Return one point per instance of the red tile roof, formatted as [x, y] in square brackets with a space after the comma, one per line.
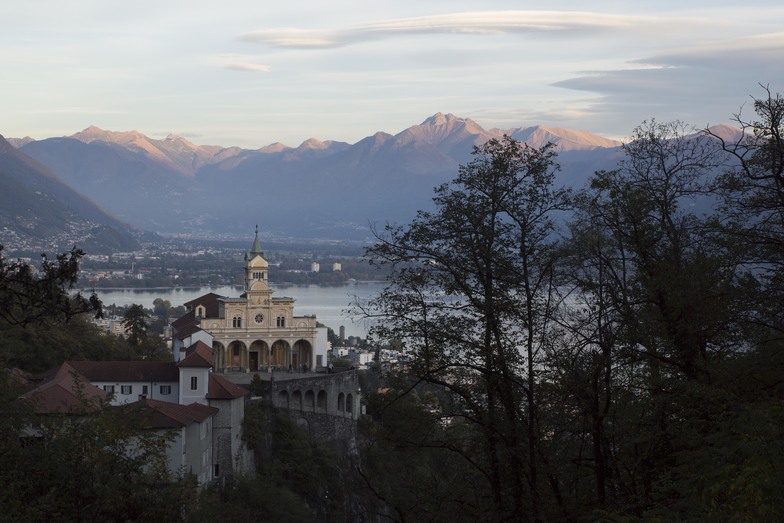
[210, 303]
[219, 388]
[66, 390]
[186, 330]
[189, 318]
[198, 355]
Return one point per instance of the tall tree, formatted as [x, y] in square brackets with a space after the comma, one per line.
[470, 295]
[673, 277]
[656, 304]
[135, 323]
[753, 197]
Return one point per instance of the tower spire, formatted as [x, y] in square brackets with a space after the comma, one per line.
[256, 248]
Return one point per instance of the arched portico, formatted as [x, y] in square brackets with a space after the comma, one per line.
[237, 355]
[302, 354]
[220, 354]
[281, 354]
[258, 355]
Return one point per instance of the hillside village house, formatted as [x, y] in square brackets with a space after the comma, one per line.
[203, 410]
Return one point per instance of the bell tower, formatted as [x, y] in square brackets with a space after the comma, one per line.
[256, 267]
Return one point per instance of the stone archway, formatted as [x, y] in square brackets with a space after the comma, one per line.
[321, 400]
[309, 403]
[283, 399]
[296, 400]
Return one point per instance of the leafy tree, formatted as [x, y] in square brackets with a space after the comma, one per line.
[753, 203]
[674, 281]
[41, 318]
[470, 294]
[37, 348]
[307, 474]
[256, 385]
[29, 296]
[412, 466]
[161, 307]
[143, 344]
[135, 323]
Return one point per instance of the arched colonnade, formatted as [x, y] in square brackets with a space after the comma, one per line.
[260, 355]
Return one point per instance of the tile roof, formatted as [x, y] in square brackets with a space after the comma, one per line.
[186, 330]
[118, 371]
[65, 390]
[219, 388]
[198, 355]
[210, 303]
[189, 318]
[166, 415]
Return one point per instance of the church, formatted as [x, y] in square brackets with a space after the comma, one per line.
[255, 332]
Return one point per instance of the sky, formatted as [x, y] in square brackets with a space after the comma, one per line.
[249, 73]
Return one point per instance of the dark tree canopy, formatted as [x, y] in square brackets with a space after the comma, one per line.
[29, 295]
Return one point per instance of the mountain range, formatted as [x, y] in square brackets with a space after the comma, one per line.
[320, 189]
[38, 212]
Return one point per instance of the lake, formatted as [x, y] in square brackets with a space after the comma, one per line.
[327, 303]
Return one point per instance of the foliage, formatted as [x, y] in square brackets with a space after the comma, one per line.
[36, 348]
[135, 323]
[29, 296]
[629, 369]
[307, 473]
[470, 296]
[98, 466]
[256, 385]
[143, 344]
[249, 499]
[417, 463]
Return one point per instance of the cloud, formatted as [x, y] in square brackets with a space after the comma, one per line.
[704, 64]
[471, 23]
[758, 50]
[703, 83]
[256, 68]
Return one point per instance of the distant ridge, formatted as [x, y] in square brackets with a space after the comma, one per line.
[319, 189]
[38, 212]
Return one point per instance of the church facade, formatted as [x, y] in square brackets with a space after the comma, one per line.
[256, 331]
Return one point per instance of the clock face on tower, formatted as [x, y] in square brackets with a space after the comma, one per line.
[259, 318]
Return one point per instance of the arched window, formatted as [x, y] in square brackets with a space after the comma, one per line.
[283, 399]
[321, 400]
[236, 322]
